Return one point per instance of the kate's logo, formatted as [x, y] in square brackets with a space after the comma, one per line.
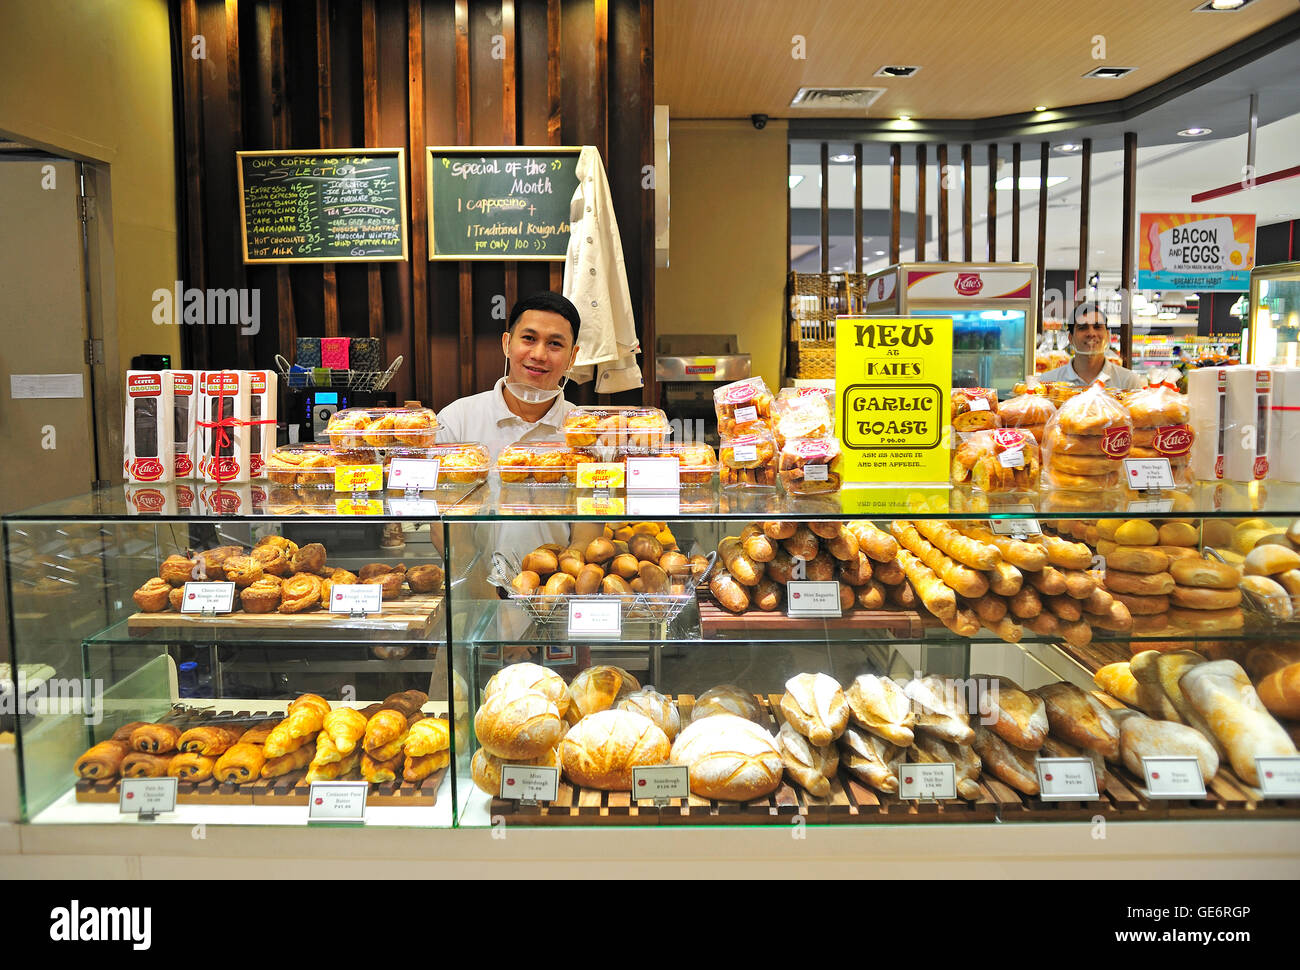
[968, 284]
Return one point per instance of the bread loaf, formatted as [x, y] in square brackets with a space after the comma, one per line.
[809, 765]
[598, 688]
[728, 758]
[1079, 718]
[486, 768]
[518, 724]
[932, 750]
[1141, 737]
[879, 706]
[942, 711]
[1118, 681]
[660, 709]
[601, 750]
[1221, 693]
[1280, 692]
[814, 704]
[728, 699]
[530, 676]
[870, 759]
[1204, 573]
[1007, 763]
[1017, 717]
[1269, 560]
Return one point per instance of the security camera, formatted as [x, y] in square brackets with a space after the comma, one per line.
[759, 121]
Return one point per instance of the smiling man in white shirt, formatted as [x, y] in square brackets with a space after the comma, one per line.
[1090, 339]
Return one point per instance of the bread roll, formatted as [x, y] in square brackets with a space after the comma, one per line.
[656, 706]
[530, 676]
[1269, 560]
[1280, 692]
[486, 768]
[1194, 598]
[518, 724]
[1118, 681]
[1137, 532]
[1139, 584]
[1178, 534]
[728, 758]
[1143, 605]
[598, 688]
[1206, 621]
[1270, 595]
[728, 699]
[1137, 559]
[815, 705]
[601, 750]
[1204, 573]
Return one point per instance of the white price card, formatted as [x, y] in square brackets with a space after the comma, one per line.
[406, 473]
[743, 453]
[1279, 777]
[980, 404]
[1066, 779]
[146, 796]
[746, 415]
[661, 781]
[816, 473]
[337, 801]
[927, 781]
[524, 783]
[208, 598]
[594, 617]
[654, 474]
[1152, 505]
[654, 505]
[1015, 527]
[1012, 459]
[812, 598]
[356, 598]
[1173, 777]
[1143, 473]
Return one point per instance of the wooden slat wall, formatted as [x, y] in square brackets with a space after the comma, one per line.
[379, 73]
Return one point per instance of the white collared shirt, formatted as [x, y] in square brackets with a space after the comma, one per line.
[1120, 377]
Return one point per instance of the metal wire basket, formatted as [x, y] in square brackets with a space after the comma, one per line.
[356, 380]
[547, 610]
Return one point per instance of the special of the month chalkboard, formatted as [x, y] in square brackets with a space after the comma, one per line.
[323, 206]
[500, 203]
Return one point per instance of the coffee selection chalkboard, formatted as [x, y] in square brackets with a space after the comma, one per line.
[323, 206]
[500, 203]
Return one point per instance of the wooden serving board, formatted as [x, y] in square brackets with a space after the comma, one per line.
[412, 616]
[902, 624]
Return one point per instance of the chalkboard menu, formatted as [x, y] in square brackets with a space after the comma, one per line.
[500, 203]
[323, 206]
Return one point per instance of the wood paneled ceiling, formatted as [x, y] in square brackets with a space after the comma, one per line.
[978, 58]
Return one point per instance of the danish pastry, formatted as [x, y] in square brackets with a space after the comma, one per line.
[262, 596]
[242, 570]
[345, 428]
[372, 569]
[139, 764]
[390, 583]
[177, 570]
[308, 559]
[300, 592]
[191, 766]
[274, 560]
[103, 760]
[277, 542]
[155, 738]
[154, 596]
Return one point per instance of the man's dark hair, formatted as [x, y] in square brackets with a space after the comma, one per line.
[551, 302]
[1087, 308]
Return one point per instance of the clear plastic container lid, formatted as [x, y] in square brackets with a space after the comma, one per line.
[752, 450]
[302, 466]
[542, 462]
[698, 461]
[383, 427]
[805, 416]
[615, 427]
[462, 463]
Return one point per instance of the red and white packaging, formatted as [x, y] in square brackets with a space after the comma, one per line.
[1284, 426]
[223, 426]
[225, 499]
[1207, 405]
[1250, 409]
[262, 397]
[147, 431]
[185, 402]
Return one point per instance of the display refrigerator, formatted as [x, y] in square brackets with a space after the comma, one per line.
[1274, 320]
[994, 310]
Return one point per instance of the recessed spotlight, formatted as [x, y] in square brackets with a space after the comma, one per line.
[1040, 107]
[795, 180]
[880, 252]
[1222, 6]
[904, 117]
[1069, 147]
[1110, 73]
[897, 70]
[1194, 132]
[842, 157]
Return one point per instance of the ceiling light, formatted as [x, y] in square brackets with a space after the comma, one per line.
[843, 157]
[1222, 6]
[1194, 132]
[1110, 73]
[1027, 182]
[904, 117]
[1226, 4]
[1069, 147]
[897, 70]
[795, 180]
[880, 252]
[1040, 107]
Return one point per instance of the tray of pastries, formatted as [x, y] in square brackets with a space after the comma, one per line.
[542, 463]
[463, 463]
[615, 427]
[383, 427]
[699, 462]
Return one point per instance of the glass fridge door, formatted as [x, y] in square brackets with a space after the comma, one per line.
[988, 347]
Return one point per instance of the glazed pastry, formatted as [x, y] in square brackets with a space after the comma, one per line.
[308, 559]
[466, 465]
[273, 559]
[428, 736]
[421, 767]
[379, 433]
[814, 704]
[300, 592]
[155, 738]
[124, 732]
[262, 596]
[212, 561]
[344, 726]
[211, 740]
[188, 766]
[370, 570]
[240, 765]
[345, 427]
[103, 760]
[378, 772]
[242, 570]
[153, 596]
[138, 764]
[301, 758]
[880, 706]
[870, 759]
[811, 766]
[424, 579]
[177, 570]
[258, 733]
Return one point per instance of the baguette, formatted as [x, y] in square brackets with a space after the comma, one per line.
[825, 529]
[1026, 604]
[1066, 554]
[743, 569]
[1099, 601]
[1117, 619]
[964, 623]
[843, 546]
[730, 594]
[1064, 607]
[1079, 583]
[1076, 633]
[965, 550]
[934, 595]
[890, 572]
[1029, 556]
[1045, 624]
[803, 544]
[990, 608]
[871, 596]
[779, 530]
[876, 543]
[757, 546]
[856, 572]
[903, 595]
[960, 578]
[1005, 579]
[1049, 581]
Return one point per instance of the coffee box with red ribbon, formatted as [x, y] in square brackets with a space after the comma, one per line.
[223, 424]
[147, 455]
[185, 404]
[262, 398]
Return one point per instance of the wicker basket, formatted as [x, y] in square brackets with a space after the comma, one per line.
[816, 299]
[855, 287]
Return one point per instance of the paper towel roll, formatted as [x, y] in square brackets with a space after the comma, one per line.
[1284, 426]
[1207, 414]
[1249, 411]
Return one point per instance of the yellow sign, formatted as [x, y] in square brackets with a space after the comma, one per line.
[893, 382]
[614, 505]
[358, 478]
[347, 506]
[601, 474]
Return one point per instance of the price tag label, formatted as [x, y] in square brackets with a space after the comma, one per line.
[812, 598]
[654, 505]
[594, 617]
[146, 796]
[654, 474]
[1173, 777]
[744, 453]
[407, 473]
[927, 781]
[356, 598]
[1015, 527]
[525, 783]
[208, 598]
[816, 473]
[1012, 459]
[1279, 777]
[358, 478]
[347, 506]
[979, 404]
[601, 474]
[746, 415]
[1144, 473]
[415, 508]
[1066, 779]
[661, 781]
[1152, 505]
[337, 801]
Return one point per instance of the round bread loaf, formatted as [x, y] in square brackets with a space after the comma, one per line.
[598, 688]
[1269, 560]
[1147, 624]
[1198, 598]
[1137, 532]
[601, 750]
[518, 724]
[530, 676]
[728, 699]
[1178, 534]
[486, 768]
[728, 758]
[1143, 605]
[1270, 595]
[1204, 573]
[1138, 584]
[1206, 621]
[654, 705]
[1060, 443]
[1137, 559]
[1280, 692]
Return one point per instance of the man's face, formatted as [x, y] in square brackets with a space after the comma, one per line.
[540, 348]
[1089, 335]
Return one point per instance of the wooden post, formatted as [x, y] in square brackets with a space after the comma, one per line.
[993, 204]
[967, 233]
[857, 208]
[463, 137]
[325, 110]
[895, 201]
[826, 216]
[422, 377]
[1085, 198]
[943, 203]
[920, 203]
[1128, 259]
[370, 116]
[1042, 226]
[1015, 202]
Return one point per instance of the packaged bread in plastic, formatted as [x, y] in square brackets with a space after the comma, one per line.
[1160, 426]
[1086, 440]
[803, 416]
[974, 409]
[810, 466]
[743, 406]
[748, 459]
[1030, 410]
[1000, 460]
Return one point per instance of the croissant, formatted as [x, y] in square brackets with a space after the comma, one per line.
[275, 767]
[188, 766]
[408, 701]
[334, 769]
[428, 736]
[344, 726]
[280, 741]
[155, 738]
[210, 740]
[384, 728]
[377, 772]
[240, 765]
[310, 700]
[103, 760]
[389, 751]
[420, 768]
[304, 721]
[258, 733]
[124, 732]
[326, 751]
[139, 764]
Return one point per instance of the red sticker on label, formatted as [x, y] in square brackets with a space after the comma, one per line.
[1261, 468]
[1010, 438]
[1116, 442]
[146, 469]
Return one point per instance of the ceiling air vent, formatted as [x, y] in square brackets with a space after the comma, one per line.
[860, 98]
[897, 70]
[1110, 73]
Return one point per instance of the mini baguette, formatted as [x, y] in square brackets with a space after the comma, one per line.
[1025, 604]
[889, 572]
[876, 543]
[1049, 581]
[960, 578]
[1066, 554]
[1005, 579]
[1029, 556]
[963, 549]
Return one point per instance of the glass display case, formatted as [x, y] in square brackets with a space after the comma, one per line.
[1274, 319]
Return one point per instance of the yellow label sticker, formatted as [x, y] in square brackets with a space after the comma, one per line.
[601, 474]
[614, 505]
[358, 478]
[893, 382]
[365, 506]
